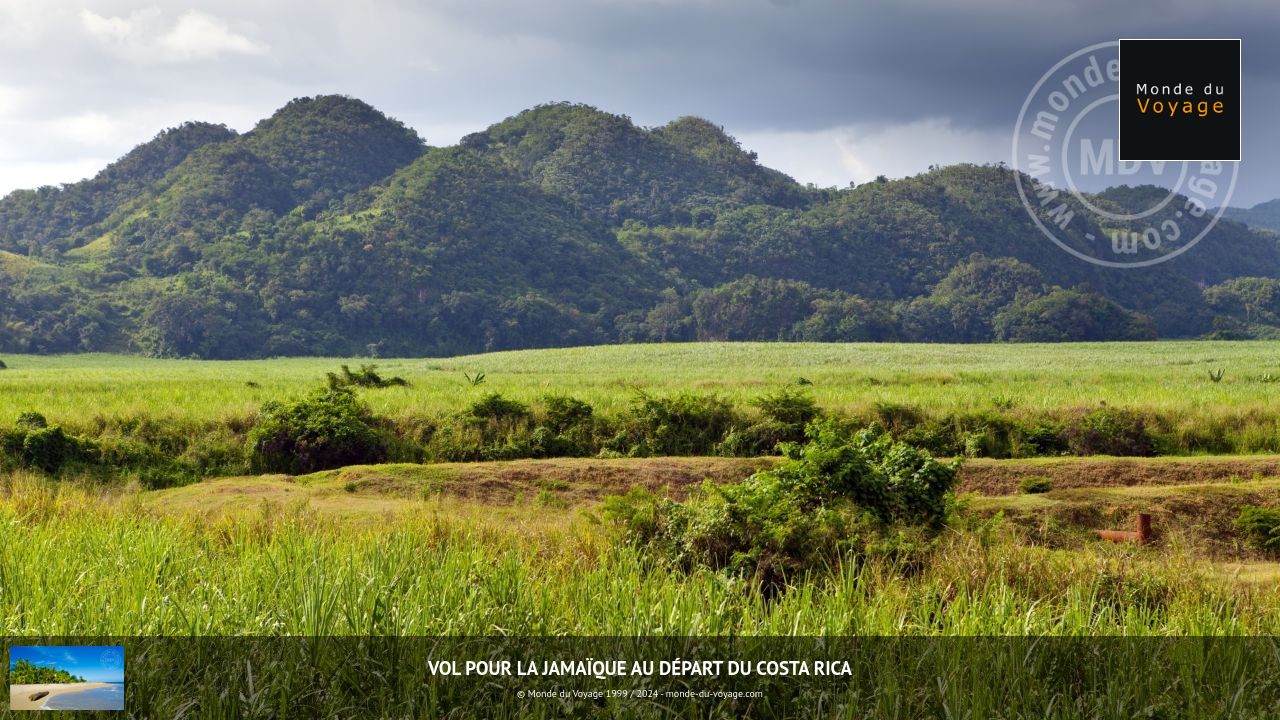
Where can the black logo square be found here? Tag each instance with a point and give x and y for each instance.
(1179, 100)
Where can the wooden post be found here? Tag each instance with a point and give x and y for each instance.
(1144, 528)
(1142, 535)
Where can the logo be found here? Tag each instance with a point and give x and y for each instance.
(1101, 209)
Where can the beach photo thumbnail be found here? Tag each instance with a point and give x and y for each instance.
(66, 677)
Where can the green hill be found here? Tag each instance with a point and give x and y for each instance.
(1263, 215)
(330, 228)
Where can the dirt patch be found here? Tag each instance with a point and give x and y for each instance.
(1001, 477)
(1198, 519)
(590, 480)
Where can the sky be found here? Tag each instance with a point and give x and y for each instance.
(94, 663)
(829, 91)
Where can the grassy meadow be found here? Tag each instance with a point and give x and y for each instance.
(76, 562)
(1169, 377)
(520, 547)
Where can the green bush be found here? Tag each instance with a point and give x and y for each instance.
(32, 420)
(788, 406)
(1042, 436)
(1260, 527)
(785, 415)
(684, 424)
(366, 377)
(898, 417)
(50, 448)
(1109, 431)
(1035, 484)
(761, 438)
(495, 407)
(327, 429)
(565, 413)
(840, 492)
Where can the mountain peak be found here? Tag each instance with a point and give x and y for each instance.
(333, 144)
(703, 138)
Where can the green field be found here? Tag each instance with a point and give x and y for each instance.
(519, 547)
(1166, 376)
(253, 557)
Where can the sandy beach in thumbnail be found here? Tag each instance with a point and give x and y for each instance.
(20, 696)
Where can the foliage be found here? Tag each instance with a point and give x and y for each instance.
(324, 430)
(495, 407)
(1110, 431)
(329, 229)
(565, 413)
(31, 420)
(840, 492)
(682, 424)
(1069, 316)
(784, 415)
(1035, 484)
(49, 448)
(366, 377)
(25, 672)
(1261, 527)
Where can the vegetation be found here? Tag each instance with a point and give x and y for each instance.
(167, 422)
(324, 430)
(330, 229)
(1263, 215)
(431, 567)
(1261, 527)
(24, 672)
(1035, 484)
(835, 497)
(366, 377)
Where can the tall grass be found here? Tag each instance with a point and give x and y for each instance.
(1164, 376)
(198, 411)
(73, 562)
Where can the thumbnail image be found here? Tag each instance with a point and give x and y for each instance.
(68, 677)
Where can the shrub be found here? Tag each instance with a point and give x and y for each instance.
(366, 376)
(49, 448)
(1035, 484)
(785, 415)
(565, 413)
(495, 407)
(684, 424)
(32, 420)
(328, 429)
(1043, 436)
(837, 493)
(549, 499)
(760, 438)
(1260, 527)
(788, 406)
(898, 417)
(1109, 431)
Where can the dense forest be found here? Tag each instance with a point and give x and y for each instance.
(331, 229)
(24, 672)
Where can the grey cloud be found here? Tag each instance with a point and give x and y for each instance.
(755, 66)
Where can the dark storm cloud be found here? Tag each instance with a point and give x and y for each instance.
(85, 79)
(810, 65)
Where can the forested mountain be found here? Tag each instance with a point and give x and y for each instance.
(331, 229)
(1263, 215)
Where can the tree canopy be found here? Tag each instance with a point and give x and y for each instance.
(330, 228)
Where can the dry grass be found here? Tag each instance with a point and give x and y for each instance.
(1001, 477)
